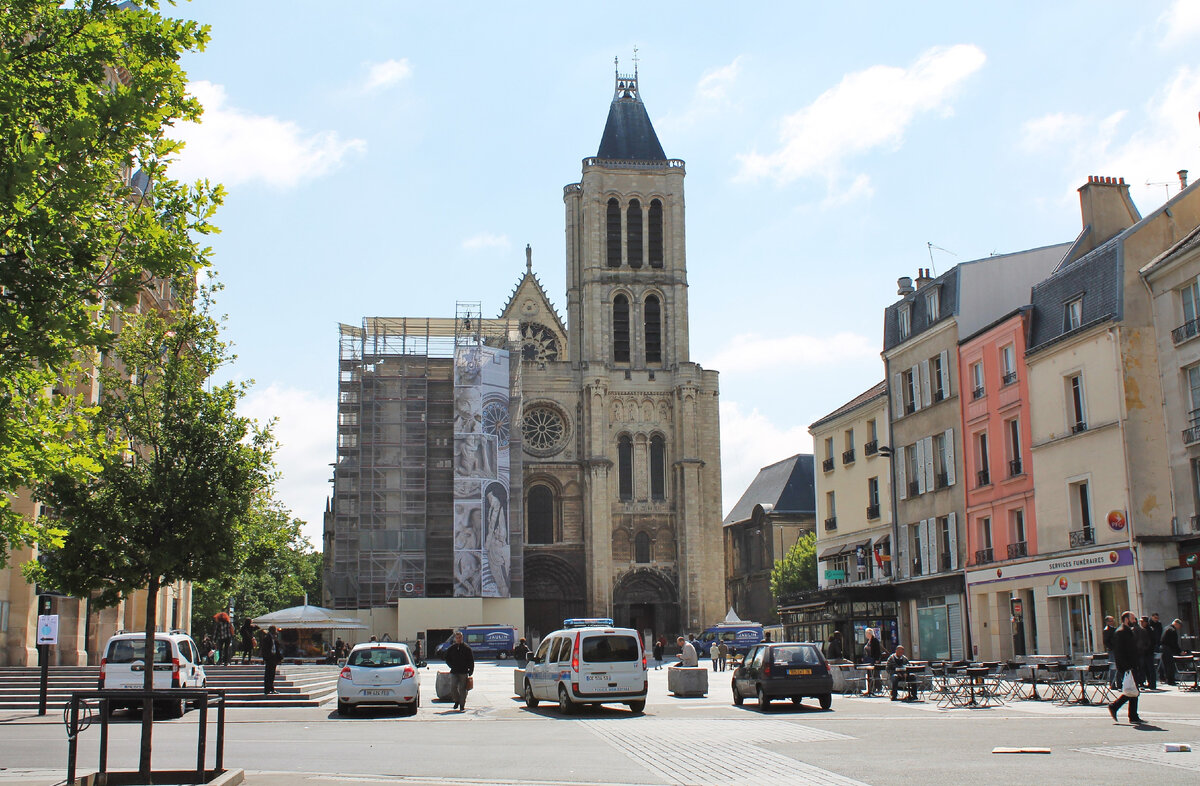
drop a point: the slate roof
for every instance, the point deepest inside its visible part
(878, 390)
(789, 486)
(919, 318)
(1189, 242)
(629, 134)
(1096, 277)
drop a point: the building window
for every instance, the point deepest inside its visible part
(1013, 429)
(658, 467)
(633, 231)
(827, 462)
(937, 378)
(912, 470)
(614, 233)
(904, 316)
(656, 233)
(1080, 500)
(540, 515)
(977, 380)
(944, 546)
(872, 431)
(1017, 546)
(625, 468)
(848, 453)
(5, 606)
(941, 460)
(653, 312)
(872, 498)
(621, 329)
(914, 533)
(984, 475)
(1076, 404)
(984, 553)
(1073, 314)
(932, 299)
(908, 381)
(1008, 365)
(830, 511)
(641, 548)
(1192, 380)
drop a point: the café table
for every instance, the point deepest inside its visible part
(1069, 697)
(1185, 664)
(869, 678)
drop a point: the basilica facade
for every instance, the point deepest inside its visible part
(621, 481)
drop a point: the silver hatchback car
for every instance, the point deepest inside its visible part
(379, 673)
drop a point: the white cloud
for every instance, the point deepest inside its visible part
(751, 352)
(867, 110)
(485, 240)
(307, 435)
(861, 188)
(1181, 22)
(387, 73)
(749, 441)
(232, 146)
(711, 96)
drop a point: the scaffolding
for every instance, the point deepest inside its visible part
(393, 480)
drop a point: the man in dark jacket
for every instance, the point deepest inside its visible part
(1144, 637)
(1109, 629)
(834, 650)
(272, 654)
(461, 661)
(1170, 648)
(1125, 652)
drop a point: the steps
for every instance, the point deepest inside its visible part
(299, 685)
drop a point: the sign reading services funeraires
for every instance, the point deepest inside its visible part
(1106, 558)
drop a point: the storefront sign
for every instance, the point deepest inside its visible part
(835, 575)
(1109, 558)
(1062, 586)
(1116, 520)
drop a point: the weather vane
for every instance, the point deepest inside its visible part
(635, 61)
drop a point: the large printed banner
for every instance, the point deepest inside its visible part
(482, 555)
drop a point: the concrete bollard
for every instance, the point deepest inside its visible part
(443, 686)
(687, 680)
(518, 682)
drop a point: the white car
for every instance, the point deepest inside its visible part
(379, 672)
(176, 665)
(591, 664)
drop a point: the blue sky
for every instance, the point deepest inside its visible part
(390, 159)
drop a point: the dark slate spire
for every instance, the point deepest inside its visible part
(628, 133)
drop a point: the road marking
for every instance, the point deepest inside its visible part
(684, 751)
(1152, 754)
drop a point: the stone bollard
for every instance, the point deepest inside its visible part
(687, 680)
(518, 682)
(443, 686)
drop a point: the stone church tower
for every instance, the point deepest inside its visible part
(622, 480)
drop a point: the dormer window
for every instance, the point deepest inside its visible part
(904, 318)
(1073, 314)
(932, 299)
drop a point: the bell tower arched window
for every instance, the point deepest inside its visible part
(658, 467)
(633, 230)
(641, 548)
(653, 313)
(614, 232)
(655, 235)
(625, 468)
(621, 329)
(539, 511)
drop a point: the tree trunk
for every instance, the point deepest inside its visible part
(148, 681)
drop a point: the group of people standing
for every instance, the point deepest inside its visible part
(1151, 652)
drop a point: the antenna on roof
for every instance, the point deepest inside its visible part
(931, 247)
(616, 66)
(1166, 186)
(635, 61)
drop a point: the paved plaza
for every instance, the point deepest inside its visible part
(676, 741)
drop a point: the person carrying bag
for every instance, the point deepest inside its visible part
(1125, 651)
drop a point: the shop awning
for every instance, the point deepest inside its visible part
(830, 553)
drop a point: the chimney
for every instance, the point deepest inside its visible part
(904, 286)
(923, 277)
(1182, 179)
(1106, 208)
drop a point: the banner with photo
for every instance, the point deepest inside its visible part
(482, 551)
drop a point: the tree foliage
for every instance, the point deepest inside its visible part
(87, 96)
(797, 571)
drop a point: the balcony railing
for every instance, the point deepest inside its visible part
(831, 523)
(939, 394)
(1008, 378)
(1192, 433)
(1018, 549)
(910, 407)
(914, 488)
(1083, 537)
(827, 464)
(983, 477)
(1014, 467)
(1078, 426)
(872, 511)
(983, 556)
(1195, 523)
(1189, 329)
(871, 448)
(977, 393)
(848, 456)
(941, 480)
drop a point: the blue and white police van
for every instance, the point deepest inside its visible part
(739, 637)
(588, 661)
(485, 641)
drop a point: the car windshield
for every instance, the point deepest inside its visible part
(610, 649)
(378, 658)
(129, 650)
(795, 656)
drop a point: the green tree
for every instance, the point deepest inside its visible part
(176, 502)
(88, 215)
(797, 571)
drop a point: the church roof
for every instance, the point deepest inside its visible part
(628, 134)
(787, 486)
(531, 286)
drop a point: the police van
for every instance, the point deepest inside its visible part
(588, 661)
(739, 637)
(485, 641)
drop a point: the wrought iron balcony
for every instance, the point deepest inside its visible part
(848, 456)
(983, 556)
(1009, 378)
(1078, 426)
(914, 488)
(1083, 537)
(1018, 549)
(871, 448)
(939, 394)
(831, 523)
(983, 477)
(872, 512)
(977, 392)
(1189, 329)
(1014, 467)
(1192, 433)
(910, 407)
(827, 464)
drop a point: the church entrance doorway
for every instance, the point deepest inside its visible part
(553, 592)
(647, 601)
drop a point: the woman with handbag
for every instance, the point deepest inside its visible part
(1125, 653)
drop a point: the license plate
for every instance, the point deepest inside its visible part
(377, 692)
(799, 672)
(597, 678)
(132, 686)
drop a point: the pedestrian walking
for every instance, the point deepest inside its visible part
(272, 654)
(1171, 648)
(723, 653)
(1110, 628)
(521, 653)
(247, 634)
(833, 651)
(872, 654)
(1156, 634)
(1125, 650)
(687, 653)
(1144, 636)
(660, 647)
(223, 637)
(461, 661)
(714, 653)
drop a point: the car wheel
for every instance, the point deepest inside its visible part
(172, 709)
(411, 707)
(826, 700)
(531, 701)
(763, 700)
(737, 697)
(565, 705)
(345, 709)
(637, 706)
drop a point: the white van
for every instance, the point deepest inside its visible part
(588, 665)
(176, 665)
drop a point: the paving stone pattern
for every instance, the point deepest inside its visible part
(686, 751)
(1151, 754)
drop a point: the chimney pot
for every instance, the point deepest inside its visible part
(1182, 179)
(904, 286)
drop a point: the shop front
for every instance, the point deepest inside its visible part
(931, 615)
(814, 616)
(1049, 606)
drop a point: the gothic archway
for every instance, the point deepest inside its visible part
(647, 600)
(554, 591)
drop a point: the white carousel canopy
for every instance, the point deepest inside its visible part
(308, 617)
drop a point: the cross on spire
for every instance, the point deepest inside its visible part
(528, 258)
